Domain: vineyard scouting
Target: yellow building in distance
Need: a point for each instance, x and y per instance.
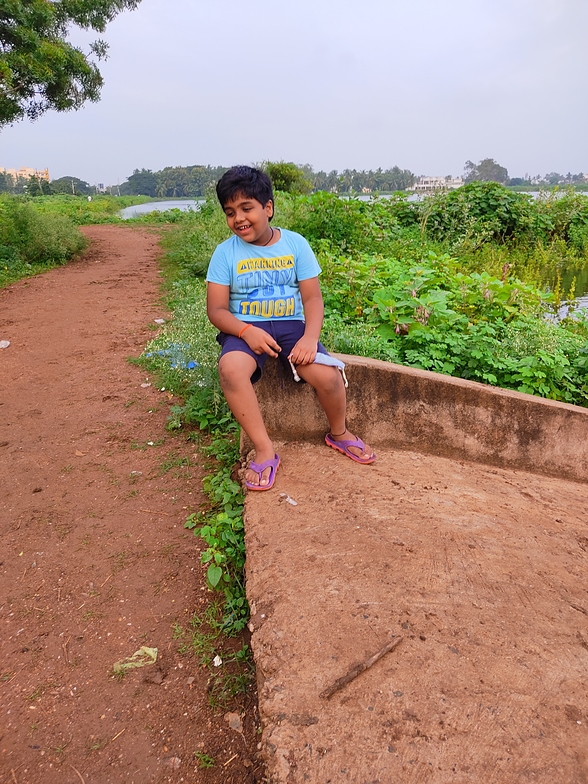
(24, 173)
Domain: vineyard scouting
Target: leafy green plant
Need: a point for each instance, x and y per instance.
(222, 529)
(230, 670)
(221, 524)
(204, 760)
(477, 213)
(471, 326)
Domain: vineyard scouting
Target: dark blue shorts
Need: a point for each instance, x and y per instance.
(286, 333)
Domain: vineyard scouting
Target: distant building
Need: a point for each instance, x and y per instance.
(24, 173)
(434, 184)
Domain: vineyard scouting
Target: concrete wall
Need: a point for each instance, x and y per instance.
(404, 408)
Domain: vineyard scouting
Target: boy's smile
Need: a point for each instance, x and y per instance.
(249, 219)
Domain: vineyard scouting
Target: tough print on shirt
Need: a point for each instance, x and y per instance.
(263, 282)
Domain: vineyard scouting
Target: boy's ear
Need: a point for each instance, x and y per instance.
(269, 209)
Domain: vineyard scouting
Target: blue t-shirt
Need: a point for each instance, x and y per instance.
(263, 281)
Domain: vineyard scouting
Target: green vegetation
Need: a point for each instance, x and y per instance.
(32, 241)
(184, 356)
(204, 760)
(195, 181)
(102, 208)
(288, 178)
(485, 171)
(230, 669)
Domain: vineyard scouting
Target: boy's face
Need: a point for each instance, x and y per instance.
(249, 219)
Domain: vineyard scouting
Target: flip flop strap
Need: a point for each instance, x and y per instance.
(259, 468)
(346, 444)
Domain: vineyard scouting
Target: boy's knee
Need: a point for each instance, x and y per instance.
(235, 368)
(325, 379)
(334, 382)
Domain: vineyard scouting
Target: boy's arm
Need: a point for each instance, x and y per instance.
(217, 309)
(304, 351)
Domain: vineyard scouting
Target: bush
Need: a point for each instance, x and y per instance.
(31, 240)
(102, 209)
(339, 224)
(478, 213)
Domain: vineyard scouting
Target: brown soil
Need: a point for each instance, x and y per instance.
(95, 560)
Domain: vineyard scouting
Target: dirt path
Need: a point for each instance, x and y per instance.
(95, 562)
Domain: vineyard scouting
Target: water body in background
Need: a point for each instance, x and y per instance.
(161, 206)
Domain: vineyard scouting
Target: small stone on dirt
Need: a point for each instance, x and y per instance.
(234, 721)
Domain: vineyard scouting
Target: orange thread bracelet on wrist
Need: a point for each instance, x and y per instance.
(243, 329)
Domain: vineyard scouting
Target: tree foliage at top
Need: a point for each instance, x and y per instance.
(72, 185)
(39, 69)
(287, 177)
(486, 171)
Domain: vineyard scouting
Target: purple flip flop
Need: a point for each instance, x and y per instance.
(259, 468)
(343, 447)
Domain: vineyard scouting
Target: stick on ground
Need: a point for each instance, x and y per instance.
(359, 668)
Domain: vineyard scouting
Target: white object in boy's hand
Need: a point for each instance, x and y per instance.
(323, 359)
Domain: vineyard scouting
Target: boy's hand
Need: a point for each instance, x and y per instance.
(260, 342)
(304, 351)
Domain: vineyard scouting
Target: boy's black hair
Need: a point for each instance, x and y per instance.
(251, 183)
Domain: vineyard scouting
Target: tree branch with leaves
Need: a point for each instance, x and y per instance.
(40, 70)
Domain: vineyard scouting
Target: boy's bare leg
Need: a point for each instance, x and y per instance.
(330, 390)
(235, 371)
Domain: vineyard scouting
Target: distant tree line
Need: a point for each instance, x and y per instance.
(172, 182)
(551, 179)
(488, 170)
(193, 181)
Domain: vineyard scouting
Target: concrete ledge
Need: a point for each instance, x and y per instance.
(397, 407)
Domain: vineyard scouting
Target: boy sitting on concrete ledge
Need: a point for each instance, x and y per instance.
(264, 297)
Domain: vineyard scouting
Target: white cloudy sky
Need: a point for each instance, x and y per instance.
(424, 85)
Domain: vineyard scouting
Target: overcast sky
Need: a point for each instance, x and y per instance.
(424, 85)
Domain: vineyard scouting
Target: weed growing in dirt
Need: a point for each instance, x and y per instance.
(184, 358)
(35, 695)
(119, 560)
(95, 744)
(204, 760)
(60, 750)
(230, 671)
(175, 461)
